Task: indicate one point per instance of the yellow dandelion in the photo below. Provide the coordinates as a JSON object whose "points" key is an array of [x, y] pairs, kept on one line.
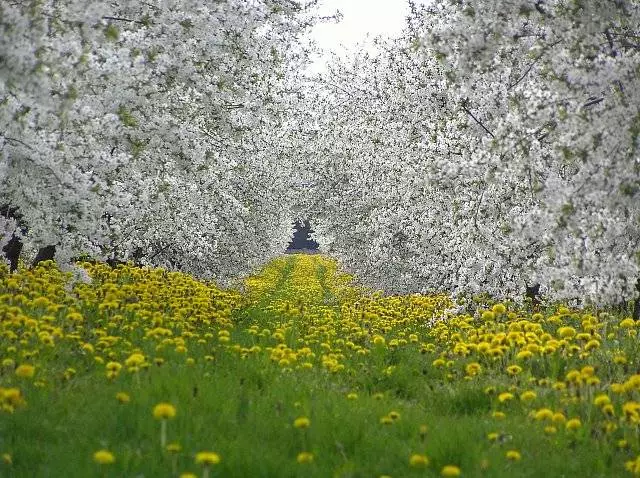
{"points": [[174, 447], [601, 400], [498, 309], [450, 471], [207, 458], [386, 420], [418, 461], [505, 397], [528, 396], [513, 455], [302, 422], [123, 397], [543, 414], [566, 332], [164, 411], [514, 370], [573, 424], [378, 340], [559, 418], [304, 457], [627, 323], [473, 369], [25, 371], [104, 457]]}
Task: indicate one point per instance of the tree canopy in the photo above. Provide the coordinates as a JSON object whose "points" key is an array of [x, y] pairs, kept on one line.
{"points": [[493, 146]]}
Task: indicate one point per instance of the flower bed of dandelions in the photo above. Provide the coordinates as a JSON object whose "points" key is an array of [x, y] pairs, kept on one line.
{"points": [[143, 372]]}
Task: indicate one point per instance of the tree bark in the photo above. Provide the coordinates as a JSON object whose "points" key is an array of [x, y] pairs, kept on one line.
{"points": [[44, 254], [12, 252], [636, 303], [13, 248], [533, 293]]}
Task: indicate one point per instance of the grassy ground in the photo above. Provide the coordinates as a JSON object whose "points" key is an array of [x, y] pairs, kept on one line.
{"points": [[303, 375]]}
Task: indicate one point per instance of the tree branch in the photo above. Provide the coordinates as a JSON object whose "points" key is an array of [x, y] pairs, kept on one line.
{"points": [[120, 19], [464, 107]]}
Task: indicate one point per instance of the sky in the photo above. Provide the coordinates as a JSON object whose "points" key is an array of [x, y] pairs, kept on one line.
{"points": [[361, 17]]}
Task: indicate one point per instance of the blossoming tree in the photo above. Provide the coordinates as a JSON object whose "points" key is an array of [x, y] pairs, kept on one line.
{"points": [[149, 130], [493, 148]]}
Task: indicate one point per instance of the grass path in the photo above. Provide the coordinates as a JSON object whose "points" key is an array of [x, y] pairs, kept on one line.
{"points": [[304, 375]]}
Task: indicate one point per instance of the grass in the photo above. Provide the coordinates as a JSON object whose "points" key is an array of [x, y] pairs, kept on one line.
{"points": [[377, 383]]}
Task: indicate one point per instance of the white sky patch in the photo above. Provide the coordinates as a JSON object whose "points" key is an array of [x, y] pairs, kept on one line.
{"points": [[362, 20]]}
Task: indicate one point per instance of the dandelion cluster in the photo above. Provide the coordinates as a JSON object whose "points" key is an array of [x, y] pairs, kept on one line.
{"points": [[305, 355]]}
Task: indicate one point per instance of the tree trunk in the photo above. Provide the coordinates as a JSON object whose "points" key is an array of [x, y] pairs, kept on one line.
{"points": [[44, 254], [12, 252], [533, 293], [636, 303], [13, 248]]}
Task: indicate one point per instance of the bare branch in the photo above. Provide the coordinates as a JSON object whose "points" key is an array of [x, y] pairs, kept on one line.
{"points": [[464, 107], [120, 19]]}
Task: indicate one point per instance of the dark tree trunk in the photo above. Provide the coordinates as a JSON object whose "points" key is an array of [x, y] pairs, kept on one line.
{"points": [[636, 303], [46, 253], [12, 252], [533, 293], [13, 248]]}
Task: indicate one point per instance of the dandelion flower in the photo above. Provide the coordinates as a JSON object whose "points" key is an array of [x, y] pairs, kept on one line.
{"points": [[566, 332], [104, 457], [123, 397], [207, 458], [513, 455], [473, 369], [164, 411], [450, 471], [174, 447], [528, 396], [633, 466], [514, 370], [498, 309], [543, 414], [505, 397], [25, 371], [386, 420], [627, 323], [418, 461], [488, 315], [573, 424], [302, 422], [304, 457]]}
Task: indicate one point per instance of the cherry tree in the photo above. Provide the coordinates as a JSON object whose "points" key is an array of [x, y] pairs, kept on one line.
{"points": [[150, 130], [492, 148]]}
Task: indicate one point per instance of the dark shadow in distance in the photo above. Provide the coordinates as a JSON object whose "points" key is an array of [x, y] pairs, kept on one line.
{"points": [[302, 242]]}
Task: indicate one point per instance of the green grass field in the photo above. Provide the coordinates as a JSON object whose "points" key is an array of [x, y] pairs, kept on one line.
{"points": [[304, 374]]}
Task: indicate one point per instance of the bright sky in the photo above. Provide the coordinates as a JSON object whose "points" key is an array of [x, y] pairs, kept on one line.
{"points": [[360, 18]]}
